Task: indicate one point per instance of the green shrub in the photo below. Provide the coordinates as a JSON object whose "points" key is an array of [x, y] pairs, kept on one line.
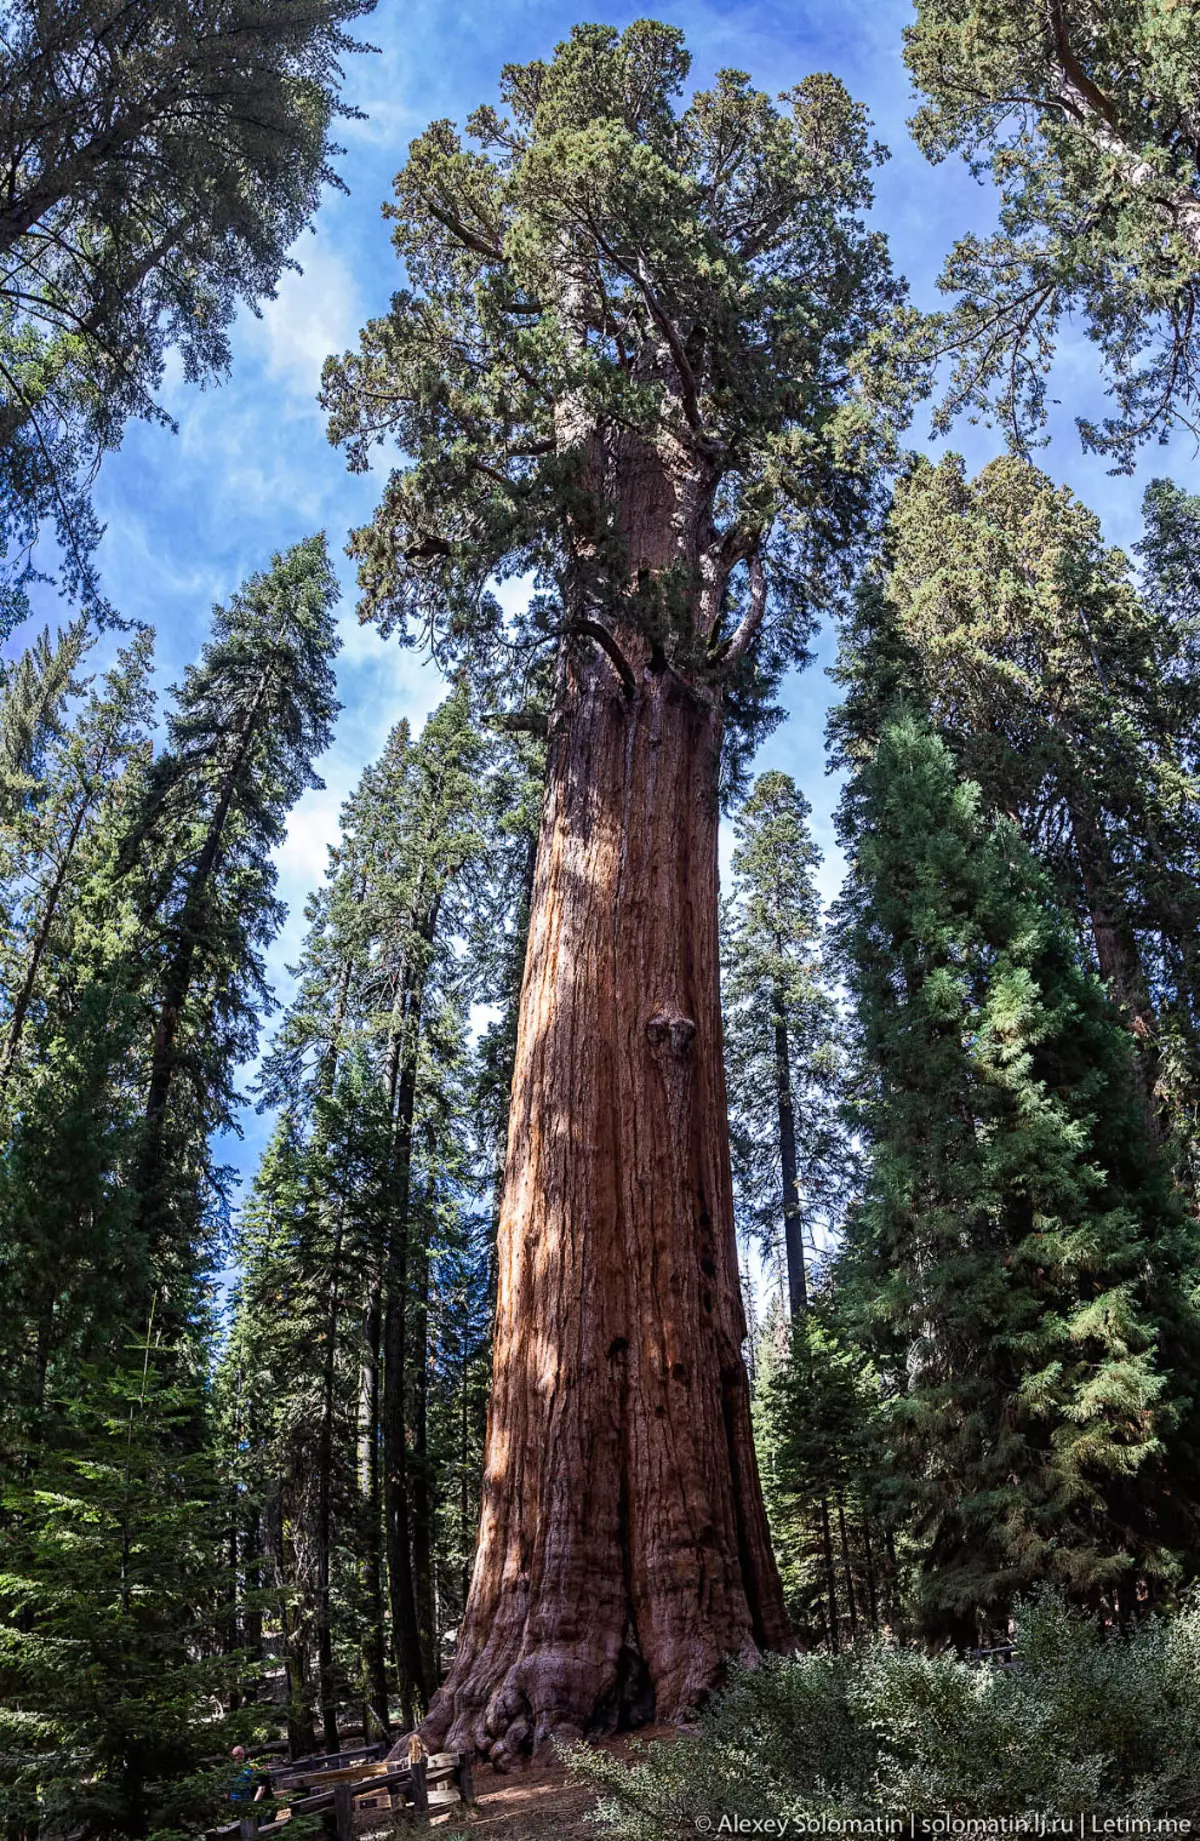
{"points": [[1084, 1722]]}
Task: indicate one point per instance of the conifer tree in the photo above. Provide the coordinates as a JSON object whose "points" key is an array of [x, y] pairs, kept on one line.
{"points": [[360, 1064], [1021, 1257], [781, 1054], [1068, 698], [35, 689], [83, 785], [248, 722], [637, 358], [69, 1024], [815, 1403], [1085, 113], [158, 161], [110, 1595]]}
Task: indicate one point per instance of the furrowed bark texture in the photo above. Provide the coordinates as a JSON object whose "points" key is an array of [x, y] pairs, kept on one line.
{"points": [[623, 1550]]}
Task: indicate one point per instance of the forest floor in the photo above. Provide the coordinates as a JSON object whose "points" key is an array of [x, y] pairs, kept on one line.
{"points": [[538, 1803]]}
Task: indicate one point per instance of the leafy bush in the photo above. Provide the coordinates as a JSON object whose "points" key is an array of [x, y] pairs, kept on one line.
{"points": [[1083, 1721]]}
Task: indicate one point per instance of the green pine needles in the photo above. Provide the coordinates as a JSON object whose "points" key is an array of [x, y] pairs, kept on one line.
{"points": [[1020, 1261]]}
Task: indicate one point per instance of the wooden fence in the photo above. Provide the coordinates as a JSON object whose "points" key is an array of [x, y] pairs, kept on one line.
{"points": [[344, 1784]]}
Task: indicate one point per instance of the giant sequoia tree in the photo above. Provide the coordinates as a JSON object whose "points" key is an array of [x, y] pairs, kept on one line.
{"points": [[632, 360]]}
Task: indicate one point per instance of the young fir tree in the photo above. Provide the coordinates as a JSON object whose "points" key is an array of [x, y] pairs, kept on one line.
{"points": [[247, 724], [1020, 1258], [110, 1608], [1084, 112], [634, 359], [1068, 697], [159, 160], [815, 1404], [781, 1035]]}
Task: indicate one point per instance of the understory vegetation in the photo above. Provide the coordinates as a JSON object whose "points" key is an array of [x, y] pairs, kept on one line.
{"points": [[1079, 1721]]}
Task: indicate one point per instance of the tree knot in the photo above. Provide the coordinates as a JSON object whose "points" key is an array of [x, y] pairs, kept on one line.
{"points": [[671, 1031]]}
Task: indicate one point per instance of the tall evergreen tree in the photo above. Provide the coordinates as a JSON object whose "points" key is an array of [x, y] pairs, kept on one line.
{"points": [[248, 722], [1068, 698], [1022, 1260], [158, 161], [69, 1022], [83, 787], [781, 1034], [636, 358], [360, 1063], [1085, 113]]}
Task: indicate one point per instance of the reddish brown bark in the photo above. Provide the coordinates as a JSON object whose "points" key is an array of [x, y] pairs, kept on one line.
{"points": [[623, 1551]]}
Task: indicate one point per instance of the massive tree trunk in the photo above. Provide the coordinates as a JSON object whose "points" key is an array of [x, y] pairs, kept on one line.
{"points": [[623, 1551]]}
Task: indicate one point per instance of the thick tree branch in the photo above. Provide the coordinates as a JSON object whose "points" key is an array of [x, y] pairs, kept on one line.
{"points": [[731, 654], [1098, 120], [592, 629], [519, 722], [467, 237]]}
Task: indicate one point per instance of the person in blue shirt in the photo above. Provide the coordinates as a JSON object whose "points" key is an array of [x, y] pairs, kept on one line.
{"points": [[248, 1785]]}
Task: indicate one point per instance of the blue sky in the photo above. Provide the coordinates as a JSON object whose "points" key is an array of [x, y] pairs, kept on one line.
{"points": [[250, 471]]}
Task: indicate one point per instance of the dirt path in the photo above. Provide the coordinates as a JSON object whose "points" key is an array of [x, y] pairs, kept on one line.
{"points": [[538, 1803]]}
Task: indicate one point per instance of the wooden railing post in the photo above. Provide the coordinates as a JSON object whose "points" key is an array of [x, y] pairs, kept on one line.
{"points": [[420, 1793], [465, 1780], [247, 1826], [343, 1811]]}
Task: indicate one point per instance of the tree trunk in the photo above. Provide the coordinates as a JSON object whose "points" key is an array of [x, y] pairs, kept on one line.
{"points": [[326, 1674], [868, 1559], [24, 997], [830, 1575], [623, 1551], [793, 1227], [847, 1569], [396, 1505], [422, 1508], [302, 1737], [376, 1718], [1117, 956]]}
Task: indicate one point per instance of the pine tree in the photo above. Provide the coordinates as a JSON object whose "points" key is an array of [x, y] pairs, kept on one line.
{"points": [[159, 159], [374, 1145], [68, 1033], [1084, 112], [781, 1035], [1020, 1257]]}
